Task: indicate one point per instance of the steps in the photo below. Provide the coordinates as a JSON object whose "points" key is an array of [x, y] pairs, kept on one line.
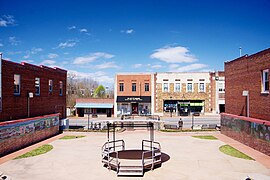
{"points": [[130, 171]]}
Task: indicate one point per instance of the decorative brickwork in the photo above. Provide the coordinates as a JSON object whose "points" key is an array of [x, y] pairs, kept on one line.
{"points": [[17, 134], [252, 132]]}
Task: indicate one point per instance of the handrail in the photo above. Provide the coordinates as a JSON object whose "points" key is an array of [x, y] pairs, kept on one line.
{"points": [[154, 147]]}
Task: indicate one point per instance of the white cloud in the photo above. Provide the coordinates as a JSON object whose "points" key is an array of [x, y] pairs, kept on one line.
{"points": [[176, 54], [83, 30], [32, 51], [92, 57], [128, 31], [26, 56], [52, 55], [71, 27], [67, 44], [107, 65], [1, 45], [97, 76], [6, 20], [13, 41], [28, 61], [157, 66], [188, 68], [36, 50], [137, 65], [48, 62]]}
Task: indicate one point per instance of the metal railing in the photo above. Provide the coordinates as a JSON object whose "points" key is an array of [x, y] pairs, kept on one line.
{"points": [[110, 147], [153, 148]]}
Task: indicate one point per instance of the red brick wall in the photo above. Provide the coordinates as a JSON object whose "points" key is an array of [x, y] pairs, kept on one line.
{"points": [[245, 74], [19, 135], [139, 79], [15, 107]]}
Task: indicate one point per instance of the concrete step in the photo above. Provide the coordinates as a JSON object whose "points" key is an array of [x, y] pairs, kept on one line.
{"points": [[130, 171]]}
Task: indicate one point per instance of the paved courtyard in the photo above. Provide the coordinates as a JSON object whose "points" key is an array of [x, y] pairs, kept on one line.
{"points": [[187, 158]]}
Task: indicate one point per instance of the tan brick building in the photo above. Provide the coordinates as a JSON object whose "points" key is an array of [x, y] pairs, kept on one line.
{"points": [[184, 93], [134, 93]]}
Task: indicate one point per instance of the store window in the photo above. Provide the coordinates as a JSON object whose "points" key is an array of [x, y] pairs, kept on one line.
{"points": [[189, 87], [17, 84], [121, 87], [201, 87], [265, 81], [165, 87], [177, 87], [37, 86], [50, 86], [133, 87]]}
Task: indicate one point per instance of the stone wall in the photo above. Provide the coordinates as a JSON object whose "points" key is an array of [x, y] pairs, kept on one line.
{"points": [[17, 134], [252, 132]]}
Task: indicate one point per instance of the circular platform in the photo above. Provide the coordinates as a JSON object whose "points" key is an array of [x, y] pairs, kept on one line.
{"points": [[132, 154]]}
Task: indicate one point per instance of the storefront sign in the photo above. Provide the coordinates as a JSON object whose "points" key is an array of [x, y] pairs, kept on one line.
{"points": [[135, 99]]}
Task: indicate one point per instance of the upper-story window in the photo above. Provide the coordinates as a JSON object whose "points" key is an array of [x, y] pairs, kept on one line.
{"points": [[201, 87], [133, 87], [121, 87], [165, 87], [177, 87], [37, 86], [17, 84], [265, 81], [189, 87], [221, 87], [146, 87], [50, 85], [60, 88]]}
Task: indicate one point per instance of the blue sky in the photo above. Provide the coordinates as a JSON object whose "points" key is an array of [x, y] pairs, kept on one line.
{"points": [[100, 38]]}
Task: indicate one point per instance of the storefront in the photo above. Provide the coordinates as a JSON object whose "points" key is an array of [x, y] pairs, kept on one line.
{"points": [[133, 105], [183, 107]]}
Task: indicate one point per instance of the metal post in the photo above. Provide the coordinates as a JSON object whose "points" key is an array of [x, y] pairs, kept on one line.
{"points": [[248, 105], [113, 137], [88, 121], [192, 121], [108, 132], [28, 105]]}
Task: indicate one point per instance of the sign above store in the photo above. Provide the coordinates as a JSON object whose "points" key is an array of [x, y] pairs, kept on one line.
{"points": [[135, 99]]}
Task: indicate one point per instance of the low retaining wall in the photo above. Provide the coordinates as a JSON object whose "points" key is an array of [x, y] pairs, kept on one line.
{"points": [[252, 132], [17, 134]]}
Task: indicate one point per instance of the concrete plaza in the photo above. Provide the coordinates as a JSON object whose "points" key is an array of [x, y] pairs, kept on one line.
{"points": [[185, 158]]}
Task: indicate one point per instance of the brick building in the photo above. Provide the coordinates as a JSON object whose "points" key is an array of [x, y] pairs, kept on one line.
{"points": [[27, 91], [97, 107], [247, 117], [134, 93], [250, 74], [183, 93]]}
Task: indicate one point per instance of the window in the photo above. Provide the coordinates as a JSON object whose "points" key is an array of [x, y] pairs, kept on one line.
{"points": [[189, 87], [165, 87], [146, 87], [121, 87], [17, 84], [37, 86], [177, 87], [60, 88], [265, 80], [50, 86], [221, 87], [201, 87], [133, 87]]}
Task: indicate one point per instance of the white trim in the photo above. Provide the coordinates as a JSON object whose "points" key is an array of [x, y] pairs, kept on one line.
{"points": [[179, 87], [263, 81], [204, 88], [168, 86], [192, 88]]}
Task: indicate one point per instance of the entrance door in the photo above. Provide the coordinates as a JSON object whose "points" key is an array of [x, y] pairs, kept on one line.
{"points": [[134, 108]]}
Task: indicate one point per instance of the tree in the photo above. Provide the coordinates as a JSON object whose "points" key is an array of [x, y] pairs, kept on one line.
{"points": [[100, 92]]}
